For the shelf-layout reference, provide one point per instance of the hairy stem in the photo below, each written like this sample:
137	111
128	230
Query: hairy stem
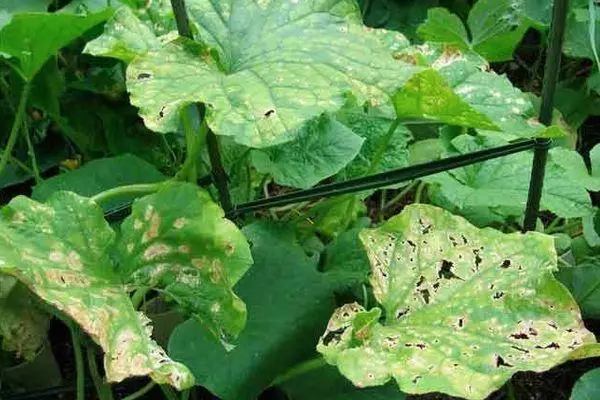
141	188
16	127
138	394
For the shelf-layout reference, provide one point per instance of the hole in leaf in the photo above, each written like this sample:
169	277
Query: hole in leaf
498	295
552	345
519	336
402	312
269	112
416	379
333	336
445	271
505	264
501	363
144	75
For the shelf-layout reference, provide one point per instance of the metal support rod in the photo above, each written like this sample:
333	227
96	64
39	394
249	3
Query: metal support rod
383	179
551	76
219	176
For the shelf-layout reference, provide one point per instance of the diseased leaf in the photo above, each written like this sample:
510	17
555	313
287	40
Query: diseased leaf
322	149
179	241
61	251
587	387
32	38
99	175
263	69
288	303
468	95
504	182
23	326
464	308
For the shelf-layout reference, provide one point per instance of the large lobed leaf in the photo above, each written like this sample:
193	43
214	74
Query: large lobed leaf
464	308
175	240
263	69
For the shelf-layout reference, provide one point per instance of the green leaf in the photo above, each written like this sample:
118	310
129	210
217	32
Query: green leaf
100	175
344	259
12	7
61	251
465	308
496	28
288	303
468	95
587	387
577	36
322	149
584	283
125	37
382	150
442	26
23	326
32	38
503	183
179	241
326	383
270	68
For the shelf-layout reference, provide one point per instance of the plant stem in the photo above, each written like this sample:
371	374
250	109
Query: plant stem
141	392
16	127
31	152
193	143
102	388
419	193
168	392
300	369
401	195
138	296
141	188
20	164
79	367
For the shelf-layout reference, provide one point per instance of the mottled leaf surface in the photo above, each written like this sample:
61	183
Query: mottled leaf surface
268	68
504	182
61	251
32	38
469	94
465	308
23	326
288	304
179	241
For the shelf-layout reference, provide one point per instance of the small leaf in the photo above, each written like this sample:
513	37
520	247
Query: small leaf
61	251
465	308
587	387
442	26
179	241
32	38
322	149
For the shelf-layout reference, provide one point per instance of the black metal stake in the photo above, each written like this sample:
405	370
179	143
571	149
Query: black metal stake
219	176
551	75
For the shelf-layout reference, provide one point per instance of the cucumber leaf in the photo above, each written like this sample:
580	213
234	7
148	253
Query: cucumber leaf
587	387
263	69
465	308
288	303
32	38
322	149
178	241
503	183
61	251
